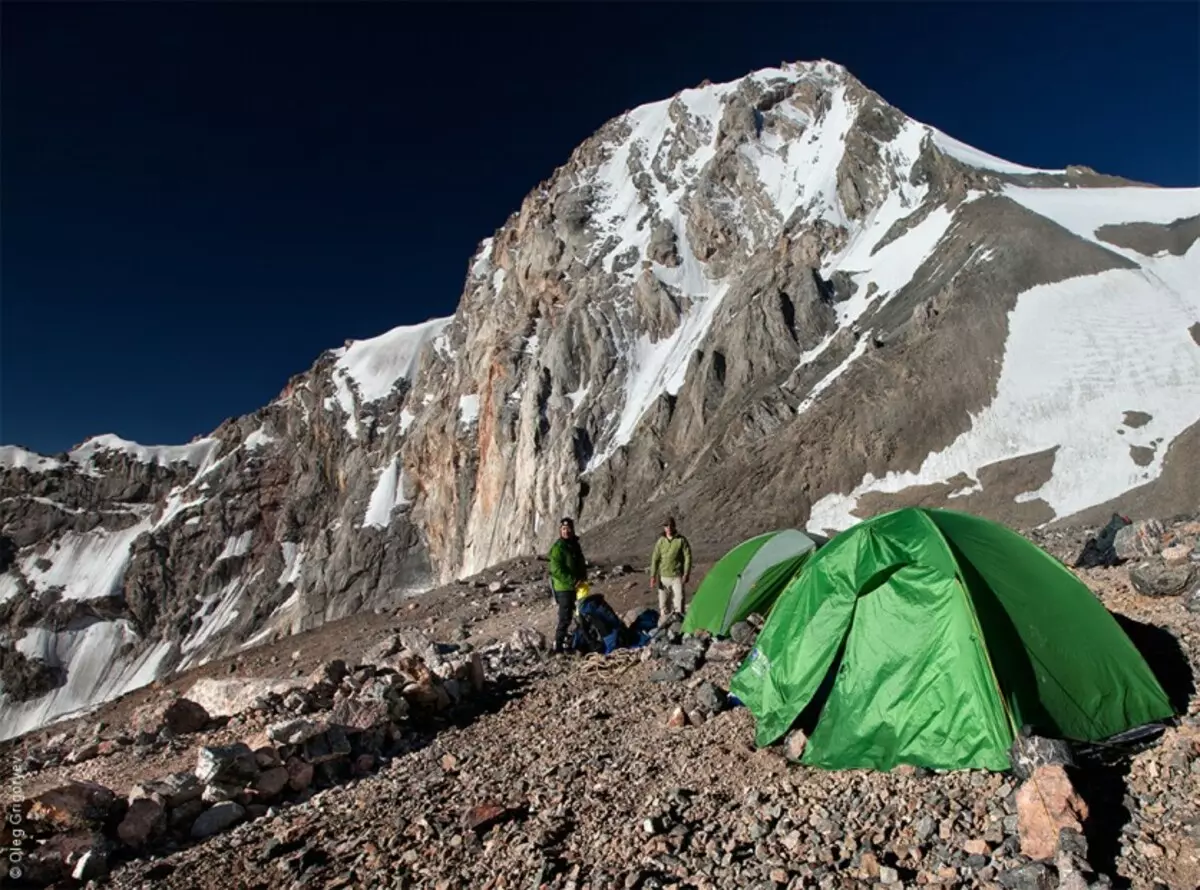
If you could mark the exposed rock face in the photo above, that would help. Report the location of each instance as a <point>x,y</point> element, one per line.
<point>770,293</point>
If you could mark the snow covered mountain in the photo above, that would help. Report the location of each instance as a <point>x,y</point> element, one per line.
<point>774,301</point>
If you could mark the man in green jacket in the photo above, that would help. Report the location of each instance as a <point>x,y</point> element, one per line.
<point>670,568</point>
<point>567,568</point>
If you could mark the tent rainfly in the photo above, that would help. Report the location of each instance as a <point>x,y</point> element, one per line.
<point>929,637</point>
<point>747,579</point>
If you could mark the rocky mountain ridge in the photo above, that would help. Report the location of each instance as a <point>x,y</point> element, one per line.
<point>762,303</point>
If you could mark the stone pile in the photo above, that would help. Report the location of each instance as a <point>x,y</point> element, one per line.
<point>339,725</point>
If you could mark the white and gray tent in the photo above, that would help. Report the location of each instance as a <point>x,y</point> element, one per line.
<point>747,579</point>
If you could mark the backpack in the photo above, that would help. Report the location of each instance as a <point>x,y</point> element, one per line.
<point>1099,551</point>
<point>597,627</point>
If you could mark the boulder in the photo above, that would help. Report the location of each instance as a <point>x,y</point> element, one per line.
<point>272,781</point>
<point>300,774</point>
<point>174,790</point>
<point>331,672</point>
<point>793,747</point>
<point>528,639</point>
<point>146,820</point>
<point>76,855</point>
<point>1192,600</point>
<point>226,763</point>
<point>217,818</point>
<point>298,701</point>
<point>219,792</point>
<point>84,754</point>
<point>267,757</point>
<point>1028,752</point>
<point>687,657</point>
<point>330,745</point>
<point>224,698</point>
<point>421,645</point>
<point>1032,876</point>
<point>179,715</point>
<point>1139,539</point>
<point>1177,555</point>
<point>376,703</point>
<point>482,817</point>
<point>294,732</point>
<point>677,719</point>
<point>1155,578</point>
<point>743,633</point>
<point>185,814</point>
<point>1047,803</point>
<point>476,675</point>
<point>710,699</point>
<point>76,805</point>
<point>382,651</point>
<point>428,693</point>
<point>672,673</point>
<point>725,650</point>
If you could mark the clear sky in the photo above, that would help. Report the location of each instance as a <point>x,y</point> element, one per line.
<point>198,198</point>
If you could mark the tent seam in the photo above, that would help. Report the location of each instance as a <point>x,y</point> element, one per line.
<point>980,643</point>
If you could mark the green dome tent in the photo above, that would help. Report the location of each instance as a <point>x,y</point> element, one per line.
<point>935,636</point>
<point>747,579</point>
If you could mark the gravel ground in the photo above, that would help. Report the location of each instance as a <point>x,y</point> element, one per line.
<point>568,775</point>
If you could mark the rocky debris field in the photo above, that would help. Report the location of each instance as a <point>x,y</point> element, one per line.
<point>590,772</point>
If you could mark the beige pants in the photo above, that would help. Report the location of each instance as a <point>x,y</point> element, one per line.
<point>675,585</point>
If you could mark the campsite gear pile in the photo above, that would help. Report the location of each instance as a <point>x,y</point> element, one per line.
<point>598,628</point>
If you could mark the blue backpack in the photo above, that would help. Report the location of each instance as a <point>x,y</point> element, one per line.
<point>600,629</point>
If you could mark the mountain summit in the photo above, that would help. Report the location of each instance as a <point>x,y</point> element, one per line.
<point>777,301</point>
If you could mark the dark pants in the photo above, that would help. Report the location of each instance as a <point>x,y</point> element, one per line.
<point>566,611</point>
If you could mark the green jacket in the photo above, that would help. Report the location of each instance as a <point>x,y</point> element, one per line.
<point>671,558</point>
<point>567,565</point>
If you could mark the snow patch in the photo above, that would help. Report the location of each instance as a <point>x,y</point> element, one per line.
<point>238,545</point>
<point>654,368</point>
<point>973,157</point>
<point>88,650</point>
<point>195,453</point>
<point>377,365</point>
<point>293,561</point>
<point>406,420</point>
<point>468,409</point>
<point>973,488</point>
<point>258,439</point>
<point>387,496</point>
<point>578,396</point>
<point>13,457</point>
<point>804,174</point>
<point>344,398</point>
<point>825,382</point>
<point>87,566</point>
<point>893,267</point>
<point>1083,211</point>
<point>483,259</point>
<point>1068,385</point>
<point>216,613</point>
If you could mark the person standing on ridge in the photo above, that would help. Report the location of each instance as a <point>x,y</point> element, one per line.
<point>670,568</point>
<point>567,569</point>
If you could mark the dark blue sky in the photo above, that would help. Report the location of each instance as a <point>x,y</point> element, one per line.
<point>199,198</point>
